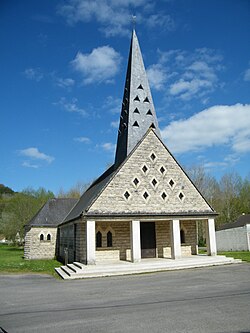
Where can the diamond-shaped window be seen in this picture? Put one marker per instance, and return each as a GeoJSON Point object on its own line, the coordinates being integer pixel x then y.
{"type": "Point", "coordinates": [154, 182]}
{"type": "Point", "coordinates": [171, 183]}
{"type": "Point", "coordinates": [153, 156]}
{"type": "Point", "coordinates": [145, 195]}
{"type": "Point", "coordinates": [144, 168]}
{"type": "Point", "coordinates": [126, 195]}
{"type": "Point", "coordinates": [136, 181]}
{"type": "Point", "coordinates": [162, 170]}
{"type": "Point", "coordinates": [164, 195]}
{"type": "Point", "coordinates": [181, 196]}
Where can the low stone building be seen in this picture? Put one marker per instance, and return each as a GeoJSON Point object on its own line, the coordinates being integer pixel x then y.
{"type": "Point", "coordinates": [144, 205]}
{"type": "Point", "coordinates": [41, 231]}
{"type": "Point", "coordinates": [234, 236]}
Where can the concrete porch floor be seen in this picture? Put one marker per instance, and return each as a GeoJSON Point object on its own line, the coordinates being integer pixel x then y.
{"type": "Point", "coordinates": [110, 268]}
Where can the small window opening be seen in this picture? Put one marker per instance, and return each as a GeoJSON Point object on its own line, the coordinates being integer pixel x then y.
{"type": "Point", "coordinates": [171, 182]}
{"type": "Point", "coordinates": [48, 237]}
{"type": "Point", "coordinates": [109, 239]}
{"type": "Point", "coordinates": [136, 181]}
{"type": "Point", "coordinates": [149, 113]}
{"type": "Point", "coordinates": [164, 196]}
{"type": "Point", "coordinates": [154, 182]}
{"type": "Point", "coordinates": [152, 156]}
{"type": "Point", "coordinates": [144, 168]}
{"type": "Point", "coordinates": [41, 237]}
{"type": "Point", "coordinates": [98, 239]}
{"type": "Point", "coordinates": [152, 126]}
{"type": "Point", "coordinates": [126, 195]}
{"type": "Point", "coordinates": [145, 195]}
{"type": "Point", "coordinates": [136, 111]}
{"type": "Point", "coordinates": [135, 124]}
{"type": "Point", "coordinates": [146, 100]}
{"type": "Point", "coordinates": [183, 238]}
{"type": "Point", "coordinates": [162, 170]}
{"type": "Point", "coordinates": [137, 98]}
{"type": "Point", "coordinates": [181, 196]}
{"type": "Point", "coordinates": [140, 87]}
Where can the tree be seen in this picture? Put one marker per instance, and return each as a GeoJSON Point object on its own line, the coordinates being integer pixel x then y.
{"type": "Point", "coordinates": [74, 192]}
{"type": "Point", "coordinates": [19, 209]}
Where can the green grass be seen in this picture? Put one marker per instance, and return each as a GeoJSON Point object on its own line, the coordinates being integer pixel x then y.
{"type": "Point", "coordinates": [11, 261]}
{"type": "Point", "coordinates": [243, 255]}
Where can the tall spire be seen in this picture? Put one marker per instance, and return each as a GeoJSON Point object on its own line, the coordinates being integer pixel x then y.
{"type": "Point", "coordinates": [138, 112]}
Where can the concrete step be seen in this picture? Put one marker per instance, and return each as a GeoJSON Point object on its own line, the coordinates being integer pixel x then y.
{"type": "Point", "coordinates": [62, 274]}
{"type": "Point", "coordinates": [74, 268]}
{"type": "Point", "coordinates": [67, 270]}
{"type": "Point", "coordinates": [79, 264]}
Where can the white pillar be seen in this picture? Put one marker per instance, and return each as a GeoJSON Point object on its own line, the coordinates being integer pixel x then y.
{"type": "Point", "coordinates": [135, 239]}
{"type": "Point", "coordinates": [90, 242]}
{"type": "Point", "coordinates": [176, 239]}
{"type": "Point", "coordinates": [211, 240]}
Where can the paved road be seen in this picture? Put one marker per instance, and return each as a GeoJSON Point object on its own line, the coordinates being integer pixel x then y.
{"type": "Point", "coordinates": [215, 299]}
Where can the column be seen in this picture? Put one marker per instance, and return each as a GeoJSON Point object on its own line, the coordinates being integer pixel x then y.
{"type": "Point", "coordinates": [90, 242]}
{"type": "Point", "coordinates": [135, 240]}
{"type": "Point", "coordinates": [176, 239]}
{"type": "Point", "coordinates": [210, 238]}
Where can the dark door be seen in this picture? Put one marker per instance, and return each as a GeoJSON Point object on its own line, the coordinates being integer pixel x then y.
{"type": "Point", "coordinates": [148, 244]}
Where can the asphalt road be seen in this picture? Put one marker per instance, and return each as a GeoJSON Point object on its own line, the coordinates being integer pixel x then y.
{"type": "Point", "coordinates": [215, 299]}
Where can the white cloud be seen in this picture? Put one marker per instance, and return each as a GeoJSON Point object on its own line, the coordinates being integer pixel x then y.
{"type": "Point", "coordinates": [108, 146]}
{"type": "Point", "coordinates": [157, 76]}
{"type": "Point", "coordinates": [83, 139]}
{"type": "Point", "coordinates": [64, 83]}
{"type": "Point", "coordinates": [247, 75]}
{"type": "Point", "coordinates": [27, 164]}
{"type": "Point", "coordinates": [114, 16]}
{"type": "Point", "coordinates": [33, 74]}
{"type": "Point", "coordinates": [101, 65]}
{"type": "Point", "coordinates": [195, 75]}
{"type": "Point", "coordinates": [113, 105]}
{"type": "Point", "coordinates": [220, 125]}
{"type": "Point", "coordinates": [71, 106]}
{"type": "Point", "coordinates": [35, 154]}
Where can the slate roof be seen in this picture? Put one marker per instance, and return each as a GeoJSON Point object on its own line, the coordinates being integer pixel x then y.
{"type": "Point", "coordinates": [52, 213]}
{"type": "Point", "coordinates": [241, 222]}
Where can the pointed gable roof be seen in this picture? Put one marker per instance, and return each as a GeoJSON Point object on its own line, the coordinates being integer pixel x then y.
{"type": "Point", "coordinates": [138, 112]}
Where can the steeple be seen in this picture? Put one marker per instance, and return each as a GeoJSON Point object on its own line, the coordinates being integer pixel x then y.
{"type": "Point", "coordinates": [138, 112]}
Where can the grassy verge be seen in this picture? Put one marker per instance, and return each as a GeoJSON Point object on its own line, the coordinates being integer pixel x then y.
{"type": "Point", "coordinates": [11, 261]}
{"type": "Point", "coordinates": [243, 255]}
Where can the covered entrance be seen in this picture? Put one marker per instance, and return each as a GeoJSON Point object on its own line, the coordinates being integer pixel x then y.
{"type": "Point", "coordinates": [148, 242]}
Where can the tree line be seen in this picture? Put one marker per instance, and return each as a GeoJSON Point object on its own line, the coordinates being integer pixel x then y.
{"type": "Point", "coordinates": [229, 196]}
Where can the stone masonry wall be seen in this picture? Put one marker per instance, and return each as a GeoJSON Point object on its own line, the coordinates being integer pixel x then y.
{"type": "Point", "coordinates": [152, 170]}
{"type": "Point", "coordinates": [35, 248]}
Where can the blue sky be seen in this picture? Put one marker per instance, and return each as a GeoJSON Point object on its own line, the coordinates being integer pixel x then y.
{"type": "Point", "coordinates": [63, 66]}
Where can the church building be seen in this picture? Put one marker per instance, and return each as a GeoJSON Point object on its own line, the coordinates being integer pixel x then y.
{"type": "Point", "coordinates": [144, 205]}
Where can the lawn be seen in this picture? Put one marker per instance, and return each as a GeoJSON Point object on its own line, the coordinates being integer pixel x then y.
{"type": "Point", "coordinates": [243, 255]}
{"type": "Point", "coordinates": [11, 261]}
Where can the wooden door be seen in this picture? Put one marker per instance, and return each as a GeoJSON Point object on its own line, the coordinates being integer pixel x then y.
{"type": "Point", "coordinates": [148, 242]}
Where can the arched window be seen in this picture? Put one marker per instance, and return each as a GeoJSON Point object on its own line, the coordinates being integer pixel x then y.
{"type": "Point", "coordinates": [48, 237]}
{"type": "Point", "coordinates": [183, 240]}
{"type": "Point", "coordinates": [98, 239]}
{"type": "Point", "coordinates": [109, 239]}
{"type": "Point", "coordinates": [41, 237]}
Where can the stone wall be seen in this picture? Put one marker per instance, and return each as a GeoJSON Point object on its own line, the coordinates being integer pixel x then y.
{"type": "Point", "coordinates": [34, 248]}
{"type": "Point", "coordinates": [150, 169]}
{"type": "Point", "coordinates": [235, 239]}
